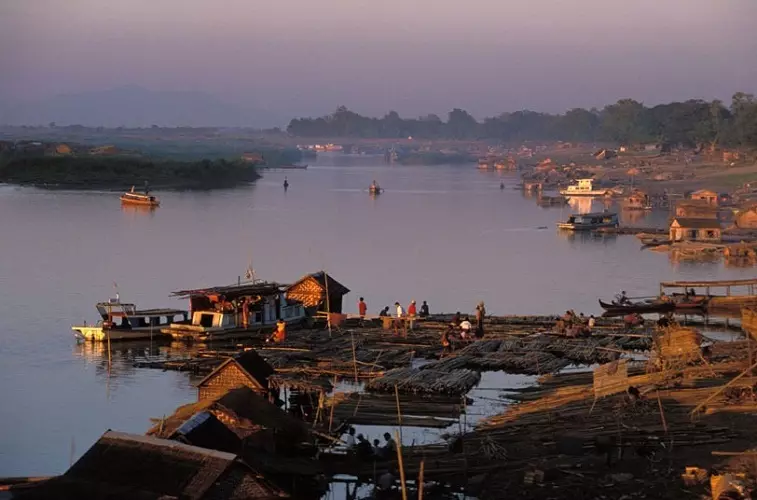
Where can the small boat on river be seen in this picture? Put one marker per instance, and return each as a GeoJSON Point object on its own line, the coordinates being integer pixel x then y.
{"type": "Point", "coordinates": [123, 321]}
{"type": "Point", "coordinates": [637, 307]}
{"type": "Point", "coordinates": [584, 187]}
{"type": "Point", "coordinates": [590, 221]}
{"type": "Point", "coordinates": [375, 189]}
{"type": "Point", "coordinates": [141, 199]}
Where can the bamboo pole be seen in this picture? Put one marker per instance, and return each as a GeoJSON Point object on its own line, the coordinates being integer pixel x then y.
{"type": "Point", "coordinates": [402, 466]}
{"type": "Point", "coordinates": [662, 412]}
{"type": "Point", "coordinates": [420, 481]}
{"type": "Point", "coordinates": [399, 413]}
{"type": "Point", "coordinates": [722, 388]}
{"type": "Point", "coordinates": [354, 358]}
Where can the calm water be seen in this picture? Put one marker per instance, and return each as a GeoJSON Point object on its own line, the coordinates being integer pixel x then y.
{"type": "Point", "coordinates": [446, 234]}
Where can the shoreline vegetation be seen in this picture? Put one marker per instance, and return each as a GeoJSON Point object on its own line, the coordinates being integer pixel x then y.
{"type": "Point", "coordinates": [66, 165]}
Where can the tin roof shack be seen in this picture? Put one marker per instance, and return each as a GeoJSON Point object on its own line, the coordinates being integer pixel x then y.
{"type": "Point", "coordinates": [319, 292]}
{"type": "Point", "coordinates": [247, 369]}
{"type": "Point", "coordinates": [129, 466]}
{"type": "Point", "coordinates": [706, 195]}
{"type": "Point", "coordinates": [243, 305]}
{"type": "Point", "coordinates": [696, 209]}
{"type": "Point", "coordinates": [701, 230]}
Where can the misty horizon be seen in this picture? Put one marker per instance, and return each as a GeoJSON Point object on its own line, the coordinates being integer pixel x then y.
{"type": "Point", "coordinates": [299, 59]}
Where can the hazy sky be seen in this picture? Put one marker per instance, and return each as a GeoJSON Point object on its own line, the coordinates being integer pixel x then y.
{"type": "Point", "coordinates": [414, 56]}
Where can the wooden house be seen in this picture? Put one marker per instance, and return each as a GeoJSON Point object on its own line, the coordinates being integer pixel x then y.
{"type": "Point", "coordinates": [706, 195]}
{"type": "Point", "coordinates": [702, 230]}
{"type": "Point", "coordinates": [746, 218]}
{"type": "Point", "coordinates": [239, 419]}
{"type": "Point", "coordinates": [246, 370]}
{"type": "Point", "coordinates": [129, 466]}
{"type": "Point", "coordinates": [318, 292]}
{"type": "Point", "coordinates": [696, 209]}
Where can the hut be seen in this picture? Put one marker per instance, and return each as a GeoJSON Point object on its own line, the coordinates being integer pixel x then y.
{"type": "Point", "coordinates": [746, 217]}
{"type": "Point", "coordinates": [318, 292]}
{"type": "Point", "coordinates": [696, 209]}
{"type": "Point", "coordinates": [703, 230]}
{"type": "Point", "coordinates": [637, 200]}
{"type": "Point", "coordinates": [248, 370]}
{"type": "Point", "coordinates": [130, 466]}
{"type": "Point", "coordinates": [706, 195]}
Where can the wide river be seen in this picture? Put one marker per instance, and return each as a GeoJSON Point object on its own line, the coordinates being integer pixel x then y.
{"type": "Point", "coordinates": [445, 234]}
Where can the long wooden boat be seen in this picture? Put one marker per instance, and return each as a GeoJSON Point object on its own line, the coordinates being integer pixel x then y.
{"type": "Point", "coordinates": [638, 307]}
{"type": "Point", "coordinates": [145, 200]}
{"type": "Point", "coordinates": [734, 294]}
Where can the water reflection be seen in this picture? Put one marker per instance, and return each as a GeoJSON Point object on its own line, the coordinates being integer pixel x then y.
{"type": "Point", "coordinates": [138, 209]}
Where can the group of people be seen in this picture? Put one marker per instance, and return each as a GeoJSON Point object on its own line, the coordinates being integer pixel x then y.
{"type": "Point", "coordinates": [402, 319]}
{"type": "Point", "coordinates": [364, 450]}
{"type": "Point", "coordinates": [462, 328]}
{"type": "Point", "coordinates": [575, 325]}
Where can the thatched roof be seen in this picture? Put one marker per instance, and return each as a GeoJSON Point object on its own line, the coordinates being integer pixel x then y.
{"type": "Point", "coordinates": [122, 466]}
{"type": "Point", "coordinates": [245, 405]}
{"type": "Point", "coordinates": [251, 363]}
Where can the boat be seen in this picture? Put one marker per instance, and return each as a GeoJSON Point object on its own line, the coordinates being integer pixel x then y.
{"type": "Point", "coordinates": [584, 188]}
{"type": "Point", "coordinates": [637, 307]}
{"type": "Point", "coordinates": [590, 221]}
{"type": "Point", "coordinates": [123, 321]}
{"type": "Point", "coordinates": [146, 200]}
{"type": "Point", "coordinates": [733, 294]}
{"type": "Point", "coordinates": [375, 189]}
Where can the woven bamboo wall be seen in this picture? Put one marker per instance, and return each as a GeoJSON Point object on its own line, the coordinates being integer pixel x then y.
{"type": "Point", "coordinates": [679, 344]}
{"type": "Point", "coordinates": [227, 378]}
{"type": "Point", "coordinates": [309, 292]}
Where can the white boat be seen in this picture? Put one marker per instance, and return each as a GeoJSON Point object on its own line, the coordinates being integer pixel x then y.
{"type": "Point", "coordinates": [584, 188]}
{"type": "Point", "coordinates": [121, 321]}
{"type": "Point", "coordinates": [587, 222]}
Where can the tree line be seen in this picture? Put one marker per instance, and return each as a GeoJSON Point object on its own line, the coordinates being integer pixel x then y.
{"type": "Point", "coordinates": [689, 123]}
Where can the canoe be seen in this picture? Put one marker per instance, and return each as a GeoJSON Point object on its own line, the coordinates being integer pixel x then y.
{"type": "Point", "coordinates": [638, 307]}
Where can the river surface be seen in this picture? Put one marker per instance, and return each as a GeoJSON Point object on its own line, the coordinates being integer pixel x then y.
{"type": "Point", "coordinates": [445, 234]}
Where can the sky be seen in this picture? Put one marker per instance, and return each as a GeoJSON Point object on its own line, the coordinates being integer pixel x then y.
{"type": "Point", "coordinates": [306, 57]}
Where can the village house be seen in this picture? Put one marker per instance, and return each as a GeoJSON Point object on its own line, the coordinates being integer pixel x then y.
{"type": "Point", "coordinates": [637, 200]}
{"type": "Point", "coordinates": [710, 197]}
{"type": "Point", "coordinates": [318, 292]}
{"type": "Point", "coordinates": [696, 209]}
{"type": "Point", "coordinates": [129, 466]}
{"type": "Point", "coordinates": [689, 229]}
{"type": "Point", "coordinates": [746, 217]}
{"type": "Point", "coordinates": [247, 369]}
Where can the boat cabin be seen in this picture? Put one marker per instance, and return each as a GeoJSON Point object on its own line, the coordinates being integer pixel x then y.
{"type": "Point", "coordinates": [244, 305]}
{"type": "Point", "coordinates": [124, 315]}
{"type": "Point", "coordinates": [702, 230]}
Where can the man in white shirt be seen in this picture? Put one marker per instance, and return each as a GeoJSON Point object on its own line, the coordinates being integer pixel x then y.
{"type": "Point", "coordinates": [465, 328]}
{"type": "Point", "coordinates": [400, 320]}
{"type": "Point", "coordinates": [350, 439]}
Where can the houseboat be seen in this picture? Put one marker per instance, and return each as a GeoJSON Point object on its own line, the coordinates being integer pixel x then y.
{"type": "Point", "coordinates": [235, 311]}
{"type": "Point", "coordinates": [584, 187]}
{"type": "Point", "coordinates": [123, 321]}
{"type": "Point", "coordinates": [134, 198]}
{"type": "Point", "coordinates": [587, 222]}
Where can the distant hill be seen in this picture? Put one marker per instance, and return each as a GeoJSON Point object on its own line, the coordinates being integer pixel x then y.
{"type": "Point", "coordinates": [133, 106]}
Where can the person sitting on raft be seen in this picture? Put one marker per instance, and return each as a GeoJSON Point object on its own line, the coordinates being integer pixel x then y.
{"type": "Point", "coordinates": [465, 328]}
{"type": "Point", "coordinates": [280, 334]}
{"type": "Point", "coordinates": [424, 310]}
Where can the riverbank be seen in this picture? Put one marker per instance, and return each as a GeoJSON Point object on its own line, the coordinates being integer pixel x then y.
{"type": "Point", "coordinates": [121, 173]}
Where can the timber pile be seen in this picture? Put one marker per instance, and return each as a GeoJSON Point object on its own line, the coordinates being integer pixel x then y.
{"type": "Point", "coordinates": [381, 409]}
{"type": "Point", "coordinates": [425, 381]}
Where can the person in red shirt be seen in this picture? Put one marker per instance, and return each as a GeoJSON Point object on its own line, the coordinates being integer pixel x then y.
{"type": "Point", "coordinates": [362, 307]}
{"type": "Point", "coordinates": [412, 313]}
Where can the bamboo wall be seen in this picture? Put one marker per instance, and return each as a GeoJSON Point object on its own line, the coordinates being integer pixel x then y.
{"type": "Point", "coordinates": [227, 378]}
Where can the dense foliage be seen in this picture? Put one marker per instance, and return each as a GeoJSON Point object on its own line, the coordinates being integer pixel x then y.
{"type": "Point", "coordinates": [627, 121]}
{"type": "Point", "coordinates": [122, 172]}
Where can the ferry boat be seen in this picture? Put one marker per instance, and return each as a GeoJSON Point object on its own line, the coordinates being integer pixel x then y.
{"type": "Point", "coordinates": [123, 321]}
{"type": "Point", "coordinates": [584, 188]}
{"type": "Point", "coordinates": [133, 198]}
{"type": "Point", "coordinates": [587, 222]}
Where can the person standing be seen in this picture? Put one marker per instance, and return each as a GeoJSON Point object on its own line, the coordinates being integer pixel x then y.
{"type": "Point", "coordinates": [480, 314]}
{"type": "Point", "coordinates": [286, 183]}
{"type": "Point", "coordinates": [411, 313]}
{"type": "Point", "coordinates": [399, 320]}
{"type": "Point", "coordinates": [362, 307]}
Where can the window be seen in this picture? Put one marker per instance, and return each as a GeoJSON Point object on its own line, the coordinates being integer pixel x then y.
{"type": "Point", "coordinates": [710, 234]}
{"type": "Point", "coordinates": [206, 320]}
{"type": "Point", "coordinates": [693, 234]}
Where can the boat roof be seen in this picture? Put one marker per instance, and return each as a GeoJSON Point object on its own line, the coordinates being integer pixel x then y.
{"type": "Point", "coordinates": [238, 290]}
{"type": "Point", "coordinates": [675, 284]}
{"type": "Point", "coordinates": [595, 214]}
